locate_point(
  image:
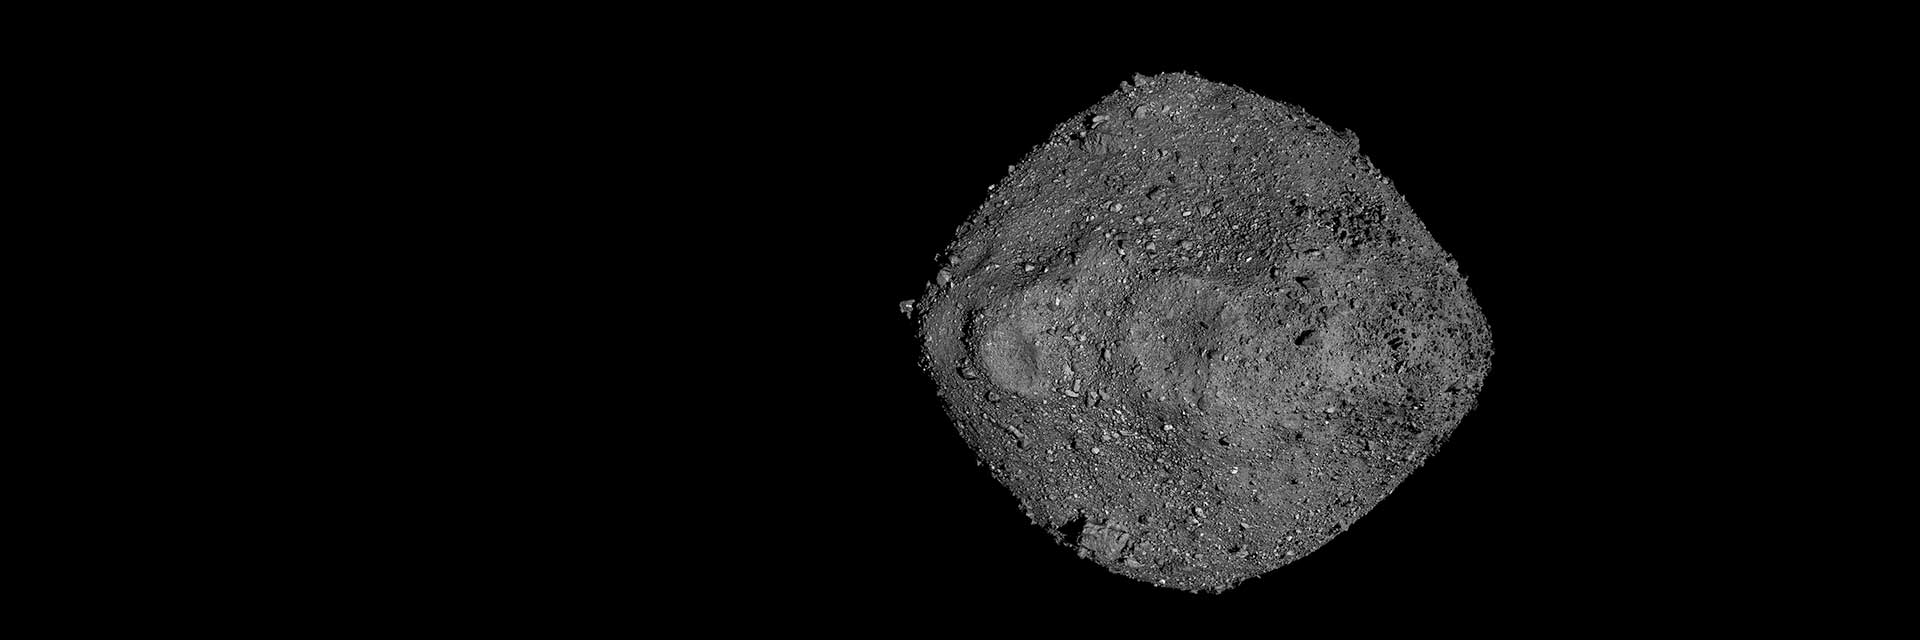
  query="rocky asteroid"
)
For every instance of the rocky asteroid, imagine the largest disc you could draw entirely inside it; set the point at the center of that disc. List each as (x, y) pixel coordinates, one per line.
(1198, 334)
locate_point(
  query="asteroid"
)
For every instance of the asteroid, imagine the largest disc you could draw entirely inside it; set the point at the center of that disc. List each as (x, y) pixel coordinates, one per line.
(1197, 334)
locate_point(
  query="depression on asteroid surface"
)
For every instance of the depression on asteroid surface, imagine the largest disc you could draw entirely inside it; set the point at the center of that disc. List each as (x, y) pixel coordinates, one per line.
(1197, 334)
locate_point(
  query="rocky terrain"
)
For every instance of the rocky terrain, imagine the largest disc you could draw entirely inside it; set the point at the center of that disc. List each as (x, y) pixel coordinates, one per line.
(1198, 334)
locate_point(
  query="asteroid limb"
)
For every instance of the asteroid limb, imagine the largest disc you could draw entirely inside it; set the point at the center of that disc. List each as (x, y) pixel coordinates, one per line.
(1198, 334)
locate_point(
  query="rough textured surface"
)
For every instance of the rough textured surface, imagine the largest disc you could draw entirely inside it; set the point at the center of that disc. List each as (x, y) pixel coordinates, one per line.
(1197, 334)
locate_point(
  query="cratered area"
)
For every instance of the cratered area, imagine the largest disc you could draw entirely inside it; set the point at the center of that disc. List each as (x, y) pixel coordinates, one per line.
(1197, 334)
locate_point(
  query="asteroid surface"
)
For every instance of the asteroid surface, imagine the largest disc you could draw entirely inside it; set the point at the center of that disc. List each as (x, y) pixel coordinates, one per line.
(1197, 334)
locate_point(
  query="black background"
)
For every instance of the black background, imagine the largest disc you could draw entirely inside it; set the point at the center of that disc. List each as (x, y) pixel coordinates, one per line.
(732, 409)
(790, 455)
(1525, 172)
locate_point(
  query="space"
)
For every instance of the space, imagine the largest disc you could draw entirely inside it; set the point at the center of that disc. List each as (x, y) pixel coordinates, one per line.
(1510, 507)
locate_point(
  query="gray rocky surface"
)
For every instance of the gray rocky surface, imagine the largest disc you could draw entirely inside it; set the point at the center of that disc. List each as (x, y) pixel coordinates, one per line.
(1197, 334)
